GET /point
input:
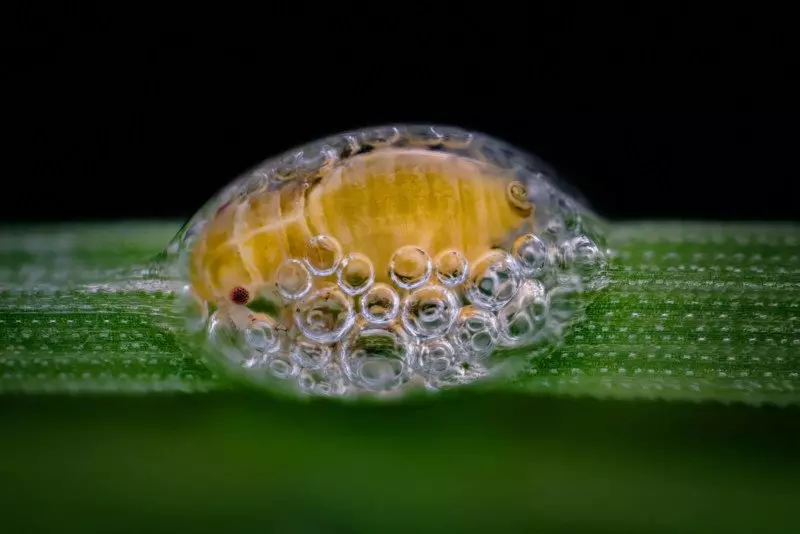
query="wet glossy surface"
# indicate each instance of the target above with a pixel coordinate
(385, 258)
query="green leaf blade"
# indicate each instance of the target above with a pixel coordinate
(693, 311)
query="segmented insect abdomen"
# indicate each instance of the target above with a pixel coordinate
(384, 201)
(275, 229)
(373, 204)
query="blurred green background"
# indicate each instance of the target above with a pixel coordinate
(236, 462)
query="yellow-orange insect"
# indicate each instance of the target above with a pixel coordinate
(372, 203)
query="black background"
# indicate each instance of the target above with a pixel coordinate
(141, 117)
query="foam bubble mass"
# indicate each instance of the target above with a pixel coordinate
(386, 259)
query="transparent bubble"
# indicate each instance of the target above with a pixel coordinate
(451, 268)
(553, 228)
(280, 365)
(410, 267)
(306, 380)
(310, 354)
(475, 332)
(377, 358)
(226, 338)
(281, 255)
(429, 311)
(380, 304)
(324, 315)
(344, 145)
(323, 255)
(332, 382)
(315, 158)
(522, 319)
(381, 136)
(292, 279)
(584, 257)
(327, 381)
(423, 136)
(356, 273)
(549, 274)
(494, 280)
(437, 357)
(286, 168)
(530, 253)
(262, 334)
(453, 137)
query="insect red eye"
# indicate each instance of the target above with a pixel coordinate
(240, 295)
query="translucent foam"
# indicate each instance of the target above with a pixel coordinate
(377, 260)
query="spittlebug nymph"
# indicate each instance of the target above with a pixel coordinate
(390, 257)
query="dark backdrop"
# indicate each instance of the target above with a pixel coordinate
(100, 128)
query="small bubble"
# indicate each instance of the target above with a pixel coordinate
(553, 228)
(344, 146)
(429, 311)
(383, 136)
(423, 136)
(314, 159)
(451, 267)
(292, 279)
(262, 334)
(223, 335)
(524, 317)
(324, 315)
(436, 357)
(306, 381)
(380, 304)
(331, 382)
(356, 274)
(494, 280)
(325, 381)
(377, 358)
(286, 168)
(410, 267)
(323, 255)
(280, 365)
(310, 354)
(531, 253)
(583, 256)
(475, 331)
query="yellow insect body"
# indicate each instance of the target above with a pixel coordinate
(374, 204)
